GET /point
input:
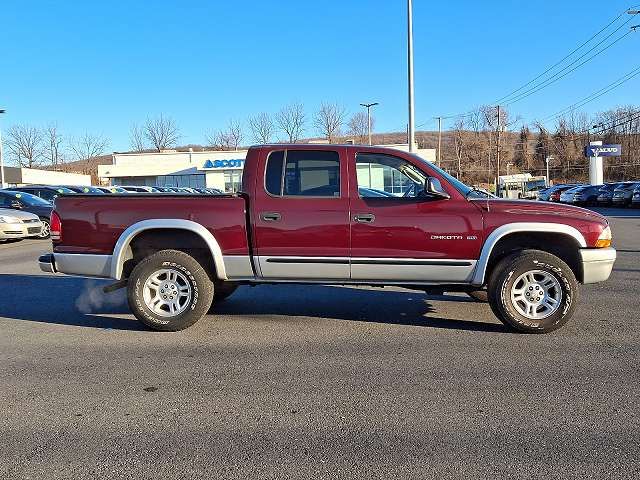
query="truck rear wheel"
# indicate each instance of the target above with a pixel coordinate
(533, 291)
(169, 291)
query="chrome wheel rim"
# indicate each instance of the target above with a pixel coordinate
(46, 230)
(536, 294)
(167, 292)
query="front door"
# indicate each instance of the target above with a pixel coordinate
(401, 234)
(301, 215)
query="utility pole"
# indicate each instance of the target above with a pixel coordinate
(368, 107)
(2, 183)
(498, 149)
(440, 139)
(412, 133)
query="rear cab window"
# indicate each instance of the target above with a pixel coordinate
(303, 173)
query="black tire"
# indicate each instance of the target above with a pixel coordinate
(479, 296)
(46, 229)
(502, 286)
(189, 275)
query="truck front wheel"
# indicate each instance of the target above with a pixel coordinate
(533, 291)
(169, 291)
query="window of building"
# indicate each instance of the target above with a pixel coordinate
(304, 173)
(232, 181)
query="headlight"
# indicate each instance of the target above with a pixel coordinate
(6, 219)
(604, 240)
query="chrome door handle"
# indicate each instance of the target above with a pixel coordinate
(270, 216)
(364, 218)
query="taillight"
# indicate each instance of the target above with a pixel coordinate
(56, 227)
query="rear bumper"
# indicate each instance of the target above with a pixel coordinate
(76, 264)
(597, 264)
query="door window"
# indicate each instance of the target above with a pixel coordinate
(387, 176)
(303, 173)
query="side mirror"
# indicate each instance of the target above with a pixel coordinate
(16, 204)
(434, 188)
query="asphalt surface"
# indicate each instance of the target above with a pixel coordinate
(316, 382)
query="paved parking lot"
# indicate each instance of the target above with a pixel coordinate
(316, 382)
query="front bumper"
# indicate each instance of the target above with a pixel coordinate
(19, 230)
(76, 264)
(597, 264)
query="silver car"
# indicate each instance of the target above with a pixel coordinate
(16, 224)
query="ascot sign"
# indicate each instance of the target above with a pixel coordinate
(219, 164)
(603, 151)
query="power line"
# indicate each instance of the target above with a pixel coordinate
(553, 79)
(547, 81)
(595, 95)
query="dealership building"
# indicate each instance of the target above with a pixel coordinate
(213, 169)
(21, 176)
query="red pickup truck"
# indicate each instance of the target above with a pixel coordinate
(333, 215)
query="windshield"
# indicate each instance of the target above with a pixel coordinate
(455, 183)
(29, 199)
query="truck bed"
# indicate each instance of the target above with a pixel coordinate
(93, 224)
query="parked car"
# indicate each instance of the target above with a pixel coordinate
(46, 192)
(544, 195)
(635, 199)
(164, 189)
(17, 225)
(567, 195)
(85, 189)
(555, 195)
(209, 191)
(605, 197)
(623, 194)
(176, 255)
(112, 190)
(586, 195)
(139, 189)
(26, 202)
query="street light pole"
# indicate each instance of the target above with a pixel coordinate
(412, 133)
(439, 138)
(368, 107)
(548, 159)
(2, 184)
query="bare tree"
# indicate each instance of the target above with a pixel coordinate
(25, 145)
(88, 146)
(359, 126)
(235, 134)
(219, 140)
(329, 120)
(53, 145)
(291, 120)
(459, 142)
(136, 138)
(262, 128)
(161, 132)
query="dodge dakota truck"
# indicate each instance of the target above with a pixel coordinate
(338, 215)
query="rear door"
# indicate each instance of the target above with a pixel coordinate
(300, 214)
(401, 234)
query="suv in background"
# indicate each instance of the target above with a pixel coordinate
(26, 202)
(586, 195)
(605, 196)
(623, 194)
(567, 195)
(46, 192)
(635, 198)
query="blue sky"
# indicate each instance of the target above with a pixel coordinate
(100, 66)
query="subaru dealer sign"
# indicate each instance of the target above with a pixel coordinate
(216, 164)
(603, 150)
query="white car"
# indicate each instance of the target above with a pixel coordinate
(15, 224)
